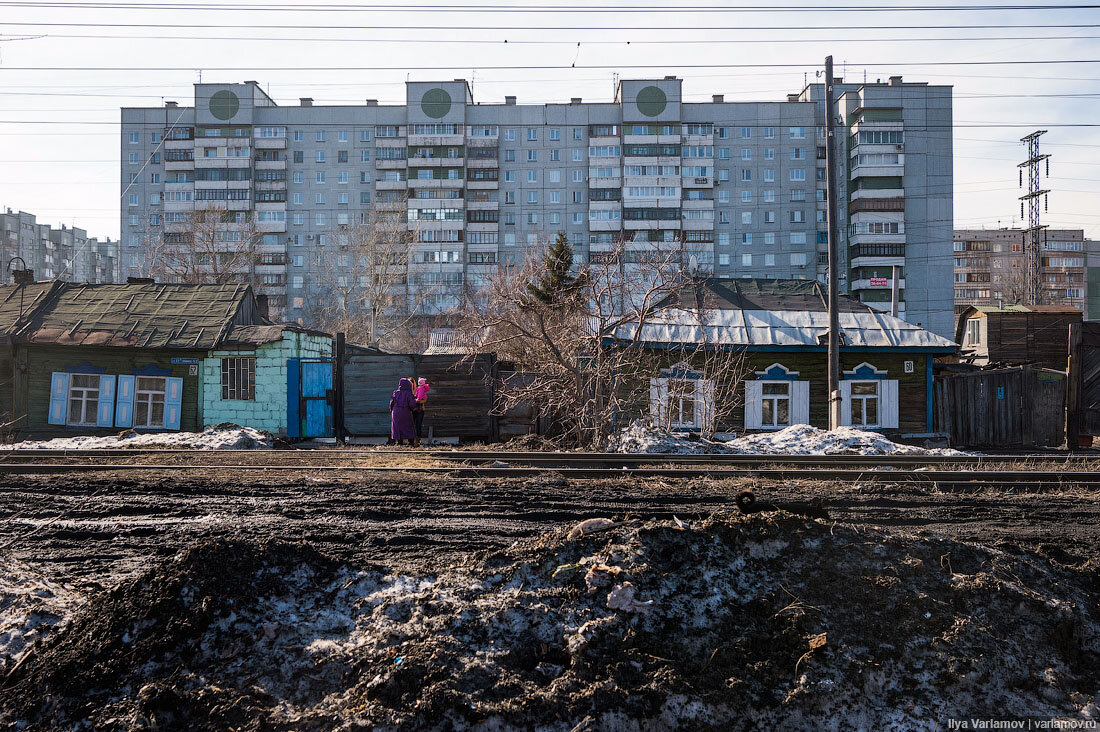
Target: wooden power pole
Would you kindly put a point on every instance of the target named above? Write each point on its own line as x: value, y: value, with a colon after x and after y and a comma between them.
x: 834, y: 255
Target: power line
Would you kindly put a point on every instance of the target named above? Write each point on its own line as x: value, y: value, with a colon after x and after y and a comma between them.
x: 543, y: 28
x: 563, y: 42
x: 886, y: 64
x: 503, y: 8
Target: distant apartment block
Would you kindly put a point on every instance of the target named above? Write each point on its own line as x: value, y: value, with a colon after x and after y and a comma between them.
x: 65, y: 253
x: 990, y: 266
x: 738, y: 189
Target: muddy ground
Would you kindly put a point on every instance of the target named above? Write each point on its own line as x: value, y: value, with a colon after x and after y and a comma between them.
x: 90, y: 529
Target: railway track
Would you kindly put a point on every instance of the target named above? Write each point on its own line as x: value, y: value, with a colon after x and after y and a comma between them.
x: 941, y: 478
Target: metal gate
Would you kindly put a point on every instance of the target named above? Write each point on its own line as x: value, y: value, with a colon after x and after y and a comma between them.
x: 310, y: 397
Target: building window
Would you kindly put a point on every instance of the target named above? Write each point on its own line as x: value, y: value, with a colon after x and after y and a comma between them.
x: 239, y: 378
x: 775, y: 404
x: 973, y: 332
x: 83, y: 399
x: 865, y: 405
x: 149, y: 401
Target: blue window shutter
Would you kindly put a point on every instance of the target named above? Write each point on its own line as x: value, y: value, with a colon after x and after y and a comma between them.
x: 106, y: 414
x: 124, y: 402
x: 173, y: 401
x: 59, y: 397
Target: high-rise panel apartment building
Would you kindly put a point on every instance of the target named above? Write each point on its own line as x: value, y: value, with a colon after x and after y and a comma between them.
x: 66, y: 253
x: 990, y: 269
x: 738, y: 188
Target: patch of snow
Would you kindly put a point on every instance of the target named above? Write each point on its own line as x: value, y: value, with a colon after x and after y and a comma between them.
x: 31, y: 607
x: 802, y: 439
x: 212, y: 438
x: 798, y: 439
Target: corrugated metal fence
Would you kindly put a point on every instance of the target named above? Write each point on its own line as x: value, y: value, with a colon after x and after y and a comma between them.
x: 459, y: 405
x: 1016, y: 407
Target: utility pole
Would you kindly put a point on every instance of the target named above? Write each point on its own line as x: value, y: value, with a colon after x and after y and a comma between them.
x: 894, y: 272
x: 1034, y: 230
x: 834, y: 255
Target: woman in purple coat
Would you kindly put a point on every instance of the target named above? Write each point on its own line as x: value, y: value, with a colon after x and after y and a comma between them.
x: 401, y: 413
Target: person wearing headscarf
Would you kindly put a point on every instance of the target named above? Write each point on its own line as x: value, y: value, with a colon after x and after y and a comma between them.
x: 401, y: 413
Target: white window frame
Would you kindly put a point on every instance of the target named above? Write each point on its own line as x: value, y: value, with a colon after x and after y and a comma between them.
x: 144, y: 411
x: 859, y: 414
x: 973, y: 332
x: 86, y: 397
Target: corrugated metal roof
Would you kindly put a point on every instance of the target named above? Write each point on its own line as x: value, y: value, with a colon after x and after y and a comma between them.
x: 749, y: 312
x: 137, y: 315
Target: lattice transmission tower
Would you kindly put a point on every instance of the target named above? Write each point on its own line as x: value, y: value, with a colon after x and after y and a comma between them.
x: 1033, y: 234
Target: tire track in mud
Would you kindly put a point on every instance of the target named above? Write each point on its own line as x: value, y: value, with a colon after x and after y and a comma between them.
x: 409, y: 523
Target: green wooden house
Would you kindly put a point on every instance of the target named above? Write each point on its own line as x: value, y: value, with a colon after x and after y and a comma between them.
x: 100, y: 358
x: 780, y: 327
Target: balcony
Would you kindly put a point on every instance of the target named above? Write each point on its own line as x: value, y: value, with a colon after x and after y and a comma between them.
x: 483, y: 141
x: 698, y: 182
x: 877, y: 255
x: 269, y: 143
x: 386, y: 164
x: 876, y: 283
x: 390, y: 185
x: 858, y: 205
x: 427, y: 162
x: 436, y: 140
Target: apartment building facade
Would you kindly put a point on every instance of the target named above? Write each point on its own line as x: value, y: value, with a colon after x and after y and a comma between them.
x: 65, y: 253
x: 990, y: 269
x: 735, y: 188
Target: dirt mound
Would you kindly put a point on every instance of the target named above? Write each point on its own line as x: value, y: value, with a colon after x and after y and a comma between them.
x: 760, y: 622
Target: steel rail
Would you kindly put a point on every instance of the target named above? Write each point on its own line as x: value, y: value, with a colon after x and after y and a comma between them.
x: 1024, y: 478
x: 577, y: 458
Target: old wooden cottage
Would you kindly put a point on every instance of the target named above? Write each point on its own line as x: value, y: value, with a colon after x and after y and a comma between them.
x: 1016, y: 334
x: 780, y: 327
x: 98, y: 358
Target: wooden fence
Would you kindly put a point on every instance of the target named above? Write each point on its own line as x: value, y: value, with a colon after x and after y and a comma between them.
x: 1017, y: 407
x: 459, y: 405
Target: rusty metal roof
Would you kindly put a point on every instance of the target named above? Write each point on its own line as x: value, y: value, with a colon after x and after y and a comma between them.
x: 135, y: 315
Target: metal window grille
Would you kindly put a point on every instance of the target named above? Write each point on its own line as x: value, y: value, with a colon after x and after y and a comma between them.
x: 239, y: 378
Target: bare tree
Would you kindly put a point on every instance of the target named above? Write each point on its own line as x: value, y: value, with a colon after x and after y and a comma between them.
x: 364, y: 283
x: 578, y: 369
x: 213, y: 245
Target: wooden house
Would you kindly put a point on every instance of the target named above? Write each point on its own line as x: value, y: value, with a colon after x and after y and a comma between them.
x: 1016, y: 334
x: 781, y: 327
x: 99, y: 358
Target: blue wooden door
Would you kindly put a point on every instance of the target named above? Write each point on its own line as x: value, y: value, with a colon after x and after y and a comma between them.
x: 310, y: 390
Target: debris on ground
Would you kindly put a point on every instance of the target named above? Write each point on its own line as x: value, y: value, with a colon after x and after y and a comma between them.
x: 798, y: 439
x: 224, y: 436
x: 766, y: 621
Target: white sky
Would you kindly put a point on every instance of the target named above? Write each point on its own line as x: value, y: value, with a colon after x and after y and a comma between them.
x: 59, y: 138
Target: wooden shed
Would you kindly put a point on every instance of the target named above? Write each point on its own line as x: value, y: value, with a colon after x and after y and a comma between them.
x: 1016, y: 334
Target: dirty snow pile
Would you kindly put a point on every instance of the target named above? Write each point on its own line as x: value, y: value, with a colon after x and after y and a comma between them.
x: 802, y: 439
x: 31, y: 606
x: 212, y: 438
x: 798, y: 439
x: 760, y: 622
x: 638, y: 437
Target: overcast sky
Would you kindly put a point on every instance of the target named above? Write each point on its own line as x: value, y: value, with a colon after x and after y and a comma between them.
x: 59, y: 138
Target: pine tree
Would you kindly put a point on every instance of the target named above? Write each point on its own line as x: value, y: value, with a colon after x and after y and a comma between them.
x: 555, y: 282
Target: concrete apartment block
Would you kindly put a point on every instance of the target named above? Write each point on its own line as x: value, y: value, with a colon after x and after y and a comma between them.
x: 66, y: 253
x: 989, y: 269
x: 737, y: 187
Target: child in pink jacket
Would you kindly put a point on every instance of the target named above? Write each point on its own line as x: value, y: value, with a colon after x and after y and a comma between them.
x: 422, y: 389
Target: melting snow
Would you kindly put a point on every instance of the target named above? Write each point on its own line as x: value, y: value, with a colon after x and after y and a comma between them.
x: 30, y: 607
x: 799, y: 439
x: 213, y: 438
